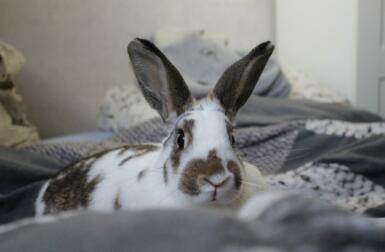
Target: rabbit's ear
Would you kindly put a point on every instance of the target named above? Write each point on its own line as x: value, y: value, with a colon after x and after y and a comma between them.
x: 238, y: 81
x: 161, y: 83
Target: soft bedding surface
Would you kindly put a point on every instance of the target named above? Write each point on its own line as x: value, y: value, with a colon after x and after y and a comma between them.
x: 324, y: 151
x: 329, y: 150
x: 306, y: 225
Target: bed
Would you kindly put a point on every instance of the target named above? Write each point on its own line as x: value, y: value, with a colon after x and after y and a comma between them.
x: 323, y: 162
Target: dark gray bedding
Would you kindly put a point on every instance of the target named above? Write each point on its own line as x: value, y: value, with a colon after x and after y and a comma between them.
x: 298, y: 228
x: 331, y: 153
x: 327, y: 150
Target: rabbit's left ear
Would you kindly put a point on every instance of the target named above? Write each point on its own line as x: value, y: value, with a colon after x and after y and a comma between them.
x: 161, y: 83
x: 238, y: 81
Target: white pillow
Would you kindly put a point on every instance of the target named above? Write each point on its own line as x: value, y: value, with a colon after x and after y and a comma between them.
x: 124, y: 107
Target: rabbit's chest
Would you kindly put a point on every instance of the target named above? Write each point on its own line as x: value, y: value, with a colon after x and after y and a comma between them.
x: 108, y: 181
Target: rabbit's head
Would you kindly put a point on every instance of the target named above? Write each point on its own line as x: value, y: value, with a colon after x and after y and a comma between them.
x: 199, y: 162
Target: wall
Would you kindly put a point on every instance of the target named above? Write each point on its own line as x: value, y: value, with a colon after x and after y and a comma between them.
x: 368, y: 60
x: 336, y: 42
x: 76, y: 50
x: 382, y: 64
x: 319, y: 38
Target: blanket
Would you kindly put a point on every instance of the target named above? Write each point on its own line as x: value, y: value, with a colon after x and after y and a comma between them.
x: 326, y: 150
x: 330, y: 157
x: 291, y: 224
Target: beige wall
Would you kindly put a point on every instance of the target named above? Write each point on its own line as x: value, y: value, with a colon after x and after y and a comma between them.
x: 337, y: 43
x: 76, y: 50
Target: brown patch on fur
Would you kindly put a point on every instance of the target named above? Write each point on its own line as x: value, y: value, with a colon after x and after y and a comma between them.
x: 117, y: 204
x: 175, y: 158
x: 165, y: 174
x: 211, y: 96
x: 123, y: 150
x: 140, y: 150
x: 234, y: 169
x: 138, y: 154
x: 200, y: 168
x: 137, y: 147
x: 187, y: 128
x: 230, y: 130
x: 72, y: 191
x: 141, y: 174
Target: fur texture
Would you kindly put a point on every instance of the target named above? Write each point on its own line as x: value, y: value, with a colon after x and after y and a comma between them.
x: 195, y: 164
x: 134, y: 178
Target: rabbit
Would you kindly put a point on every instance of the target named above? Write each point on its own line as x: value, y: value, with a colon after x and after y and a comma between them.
x: 195, y: 165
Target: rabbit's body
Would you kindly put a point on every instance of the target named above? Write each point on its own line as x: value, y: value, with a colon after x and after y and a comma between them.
x: 195, y: 165
x: 135, y: 177
x: 112, y: 180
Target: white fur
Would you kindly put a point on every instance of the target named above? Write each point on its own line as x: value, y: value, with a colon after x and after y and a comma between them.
x: 151, y: 191
x: 122, y: 182
x: 218, y: 176
x: 39, y: 203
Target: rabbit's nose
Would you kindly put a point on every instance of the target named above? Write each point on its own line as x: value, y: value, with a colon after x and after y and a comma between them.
x: 216, y: 183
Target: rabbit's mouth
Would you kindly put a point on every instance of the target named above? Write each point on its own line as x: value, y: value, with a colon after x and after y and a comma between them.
x: 210, y: 175
x: 218, y: 196
x: 215, y: 195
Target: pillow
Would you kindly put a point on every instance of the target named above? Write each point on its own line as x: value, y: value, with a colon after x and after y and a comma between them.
x: 305, y: 88
x: 15, y: 129
x: 124, y: 107
x: 202, y: 60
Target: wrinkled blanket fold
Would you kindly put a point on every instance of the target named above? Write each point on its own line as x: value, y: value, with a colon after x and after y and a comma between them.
x: 332, y: 151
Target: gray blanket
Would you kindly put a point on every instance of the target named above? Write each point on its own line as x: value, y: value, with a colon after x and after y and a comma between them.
x: 332, y: 152
x: 202, y: 61
x: 294, y: 224
x: 326, y: 150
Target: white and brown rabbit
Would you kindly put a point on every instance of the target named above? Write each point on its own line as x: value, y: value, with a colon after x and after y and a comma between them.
x: 196, y: 164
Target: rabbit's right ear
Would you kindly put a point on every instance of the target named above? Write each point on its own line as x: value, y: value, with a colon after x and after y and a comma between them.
x: 161, y: 83
x: 238, y: 81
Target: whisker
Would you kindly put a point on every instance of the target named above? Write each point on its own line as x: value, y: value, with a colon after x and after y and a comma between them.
x: 248, y: 182
x: 238, y: 199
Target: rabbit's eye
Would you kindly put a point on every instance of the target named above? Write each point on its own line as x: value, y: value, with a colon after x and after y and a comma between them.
x: 232, y: 140
x: 180, y: 139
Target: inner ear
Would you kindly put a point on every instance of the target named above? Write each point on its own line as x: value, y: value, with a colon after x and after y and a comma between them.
x: 161, y: 83
x: 236, y: 84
